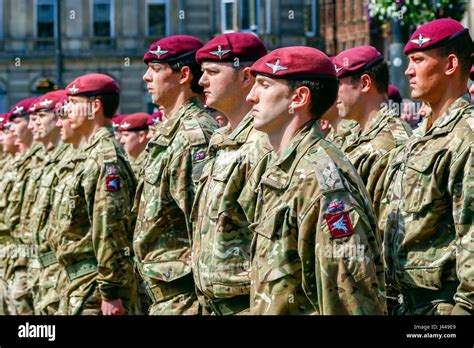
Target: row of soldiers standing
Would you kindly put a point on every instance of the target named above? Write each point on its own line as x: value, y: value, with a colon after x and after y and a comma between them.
x: 262, y: 216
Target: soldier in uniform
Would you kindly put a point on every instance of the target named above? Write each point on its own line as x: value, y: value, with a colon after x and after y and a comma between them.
x: 173, y: 165
x: 44, y: 270
x: 316, y: 249
x: 221, y: 236
x: 91, y: 236
x: 134, y: 138
x: 362, y: 96
x: 10, y: 149
x: 428, y: 197
x: 31, y: 157
x: 340, y: 129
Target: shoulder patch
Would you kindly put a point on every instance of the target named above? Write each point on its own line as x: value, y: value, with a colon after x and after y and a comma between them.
x: 193, y: 131
x: 327, y: 173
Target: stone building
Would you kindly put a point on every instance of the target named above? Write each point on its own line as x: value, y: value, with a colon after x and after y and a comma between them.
x: 111, y: 36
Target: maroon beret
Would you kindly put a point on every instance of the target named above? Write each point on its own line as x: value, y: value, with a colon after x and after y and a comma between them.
x: 134, y: 122
x: 295, y: 63
x: 48, y: 101
x: 4, y: 118
x: 117, y: 119
x: 92, y: 84
x: 22, y: 108
x: 227, y: 47
x: 60, y: 103
x: 394, y: 94
x: 172, y: 48
x: 155, y: 118
x: 355, y: 60
x: 471, y: 74
x: 434, y: 33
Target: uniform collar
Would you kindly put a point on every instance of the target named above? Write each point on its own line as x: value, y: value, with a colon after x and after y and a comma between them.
x: 169, y: 127
x: 35, y: 149
x: 102, y: 132
x: 445, y: 123
x: 281, y: 170
x: 225, y: 136
x: 378, y: 122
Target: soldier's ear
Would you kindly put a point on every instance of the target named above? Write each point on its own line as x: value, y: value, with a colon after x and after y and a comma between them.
x: 247, y: 78
x: 452, y: 64
x: 365, y: 82
x: 186, y: 75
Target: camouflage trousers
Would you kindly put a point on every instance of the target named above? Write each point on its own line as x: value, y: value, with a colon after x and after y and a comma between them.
x: 6, y: 305
x: 20, y: 291
x: 45, y: 291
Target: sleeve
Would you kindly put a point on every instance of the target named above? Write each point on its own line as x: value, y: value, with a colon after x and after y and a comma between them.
x: 184, y: 173
x: 462, y: 186
x: 109, y: 193
x: 348, y: 261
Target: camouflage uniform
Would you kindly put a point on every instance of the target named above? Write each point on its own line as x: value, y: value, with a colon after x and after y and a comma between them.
x: 315, y: 248
x: 22, y: 190
x: 44, y: 271
x: 347, y: 132
x: 428, y: 235
x: 175, y: 157
x: 137, y: 164
x: 6, y: 240
x: 221, y: 237
x: 92, y: 228
x: 370, y: 150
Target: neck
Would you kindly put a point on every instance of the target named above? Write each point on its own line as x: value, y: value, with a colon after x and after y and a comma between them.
x: 52, y: 141
x: 91, y: 129
x: 335, y: 123
x: 171, y: 108
x: 371, y: 108
x: 27, y: 146
x: 283, y: 136
x: 235, y: 113
x: 440, y: 106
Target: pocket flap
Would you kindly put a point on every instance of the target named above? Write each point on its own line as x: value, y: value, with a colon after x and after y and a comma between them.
x: 426, y: 161
x: 166, y: 271
x: 273, y: 274
x: 272, y: 224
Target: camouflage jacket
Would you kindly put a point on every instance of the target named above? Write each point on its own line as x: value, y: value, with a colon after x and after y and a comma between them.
x: 40, y: 214
x: 22, y: 172
x: 347, y: 132
x: 175, y: 158
x: 315, y: 248
x: 370, y: 150
x: 137, y: 164
x: 221, y: 237
x: 429, y: 207
x: 91, y: 218
x: 7, y: 179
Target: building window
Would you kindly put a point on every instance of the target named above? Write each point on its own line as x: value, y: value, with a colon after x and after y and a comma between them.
x: 102, y: 23
x: 249, y: 15
x: 157, y: 15
x: 227, y: 15
x: 309, y: 15
x: 45, y: 23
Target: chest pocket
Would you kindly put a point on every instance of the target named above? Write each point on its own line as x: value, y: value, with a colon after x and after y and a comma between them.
x: 33, y: 185
x: 420, y: 182
x: 276, y: 246
x: 5, y: 189
x: 15, y: 194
